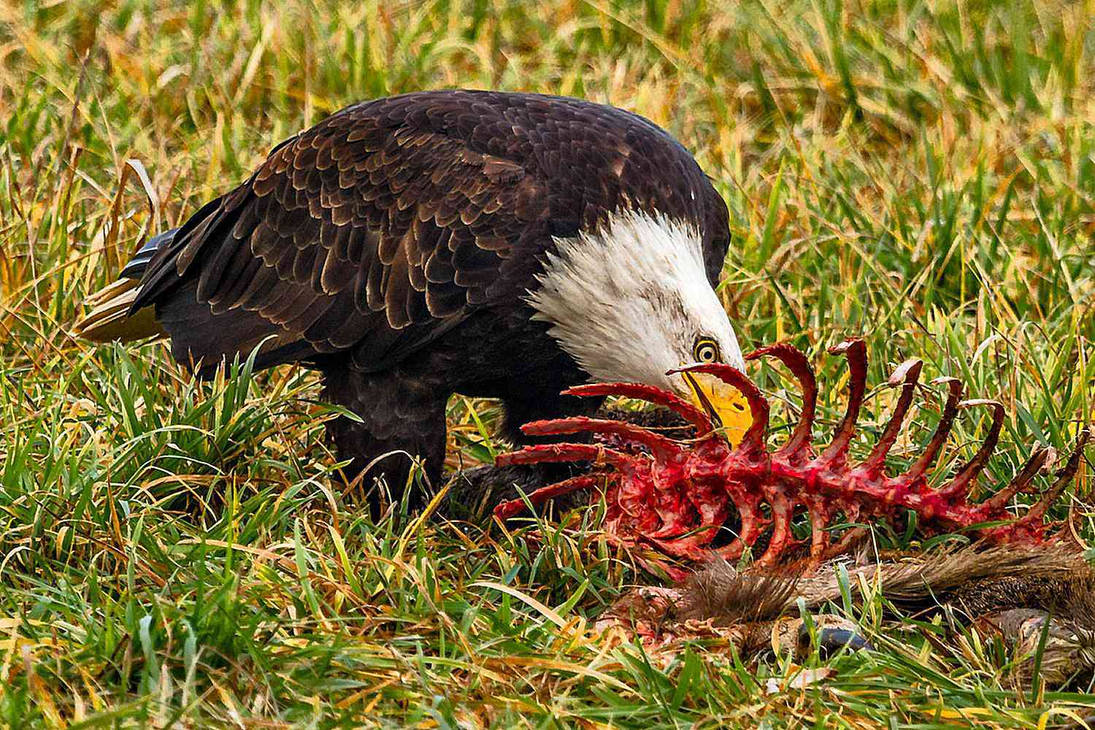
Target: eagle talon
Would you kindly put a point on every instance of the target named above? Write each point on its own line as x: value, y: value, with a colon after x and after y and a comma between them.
x: 676, y: 494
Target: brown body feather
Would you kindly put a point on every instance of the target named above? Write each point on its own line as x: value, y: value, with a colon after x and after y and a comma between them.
x: 394, y: 243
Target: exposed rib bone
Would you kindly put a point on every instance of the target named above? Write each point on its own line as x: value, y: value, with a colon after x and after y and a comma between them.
x: 1034, y: 466
x: 819, y: 535
x: 758, y: 406
x: 967, y: 475
x: 782, y: 510
x: 906, y: 375
x: 799, y: 366
x: 514, y: 507
x: 564, y: 452
x: 695, y: 417
x: 950, y: 410
x: 678, y: 494
x: 1064, y: 478
x: 856, y: 353
x: 662, y: 447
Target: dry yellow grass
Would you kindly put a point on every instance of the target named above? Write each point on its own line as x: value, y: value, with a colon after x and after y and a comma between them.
x: 919, y: 173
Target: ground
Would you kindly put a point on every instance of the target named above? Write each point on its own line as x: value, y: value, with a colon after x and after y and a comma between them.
x: 921, y: 174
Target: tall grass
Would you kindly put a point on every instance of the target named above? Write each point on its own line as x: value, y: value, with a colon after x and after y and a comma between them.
x: 919, y: 173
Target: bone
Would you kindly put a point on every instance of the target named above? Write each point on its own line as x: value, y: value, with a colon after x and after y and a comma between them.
x: 664, y: 448
x: 782, y: 511
x: 946, y: 420
x: 906, y: 375
x: 819, y: 533
x: 565, y: 452
x: 752, y: 524
x: 856, y: 353
x: 514, y: 507
x: 1038, y: 461
x: 966, y: 477
x: 758, y: 406
x: 795, y: 361
x: 675, y: 525
x: 696, y: 417
x: 1064, y: 478
x: 846, y: 541
x: 677, y: 494
x: 691, y: 547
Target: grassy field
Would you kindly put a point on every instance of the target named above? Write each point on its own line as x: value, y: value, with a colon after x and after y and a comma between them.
x: 918, y: 172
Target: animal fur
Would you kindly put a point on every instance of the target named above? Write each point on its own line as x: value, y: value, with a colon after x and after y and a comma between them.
x: 1016, y: 593
x: 1052, y: 578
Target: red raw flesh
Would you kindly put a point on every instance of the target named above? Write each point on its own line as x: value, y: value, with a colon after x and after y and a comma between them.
x: 677, y: 494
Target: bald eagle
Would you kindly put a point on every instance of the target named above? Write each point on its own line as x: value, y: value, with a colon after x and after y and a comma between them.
x: 496, y: 245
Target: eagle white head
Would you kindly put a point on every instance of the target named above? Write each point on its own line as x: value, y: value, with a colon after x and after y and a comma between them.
x: 631, y: 301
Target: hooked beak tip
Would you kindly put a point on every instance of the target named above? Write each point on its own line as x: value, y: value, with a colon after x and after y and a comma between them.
x: 700, y: 396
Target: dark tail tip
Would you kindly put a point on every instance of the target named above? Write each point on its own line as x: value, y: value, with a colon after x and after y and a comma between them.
x: 136, y: 267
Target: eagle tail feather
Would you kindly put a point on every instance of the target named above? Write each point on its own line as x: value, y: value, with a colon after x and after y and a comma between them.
x: 110, y: 315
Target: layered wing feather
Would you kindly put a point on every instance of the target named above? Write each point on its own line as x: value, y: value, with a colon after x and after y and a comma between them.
x: 390, y: 221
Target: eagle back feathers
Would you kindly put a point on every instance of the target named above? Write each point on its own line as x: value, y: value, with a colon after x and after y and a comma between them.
x: 390, y: 221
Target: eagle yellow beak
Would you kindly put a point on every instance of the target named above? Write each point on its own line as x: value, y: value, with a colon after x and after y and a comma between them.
x: 724, y: 403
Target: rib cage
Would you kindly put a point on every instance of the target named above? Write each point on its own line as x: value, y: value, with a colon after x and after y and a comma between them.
x: 678, y: 494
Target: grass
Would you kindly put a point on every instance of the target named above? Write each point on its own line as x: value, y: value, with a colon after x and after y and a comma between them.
x: 918, y: 172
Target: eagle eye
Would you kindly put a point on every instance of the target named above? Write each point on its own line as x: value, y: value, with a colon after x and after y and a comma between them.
x: 706, y: 350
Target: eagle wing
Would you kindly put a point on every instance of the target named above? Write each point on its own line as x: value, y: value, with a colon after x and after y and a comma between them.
x: 390, y: 221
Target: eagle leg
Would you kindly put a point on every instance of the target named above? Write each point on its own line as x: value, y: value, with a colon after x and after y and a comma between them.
x: 395, y: 416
